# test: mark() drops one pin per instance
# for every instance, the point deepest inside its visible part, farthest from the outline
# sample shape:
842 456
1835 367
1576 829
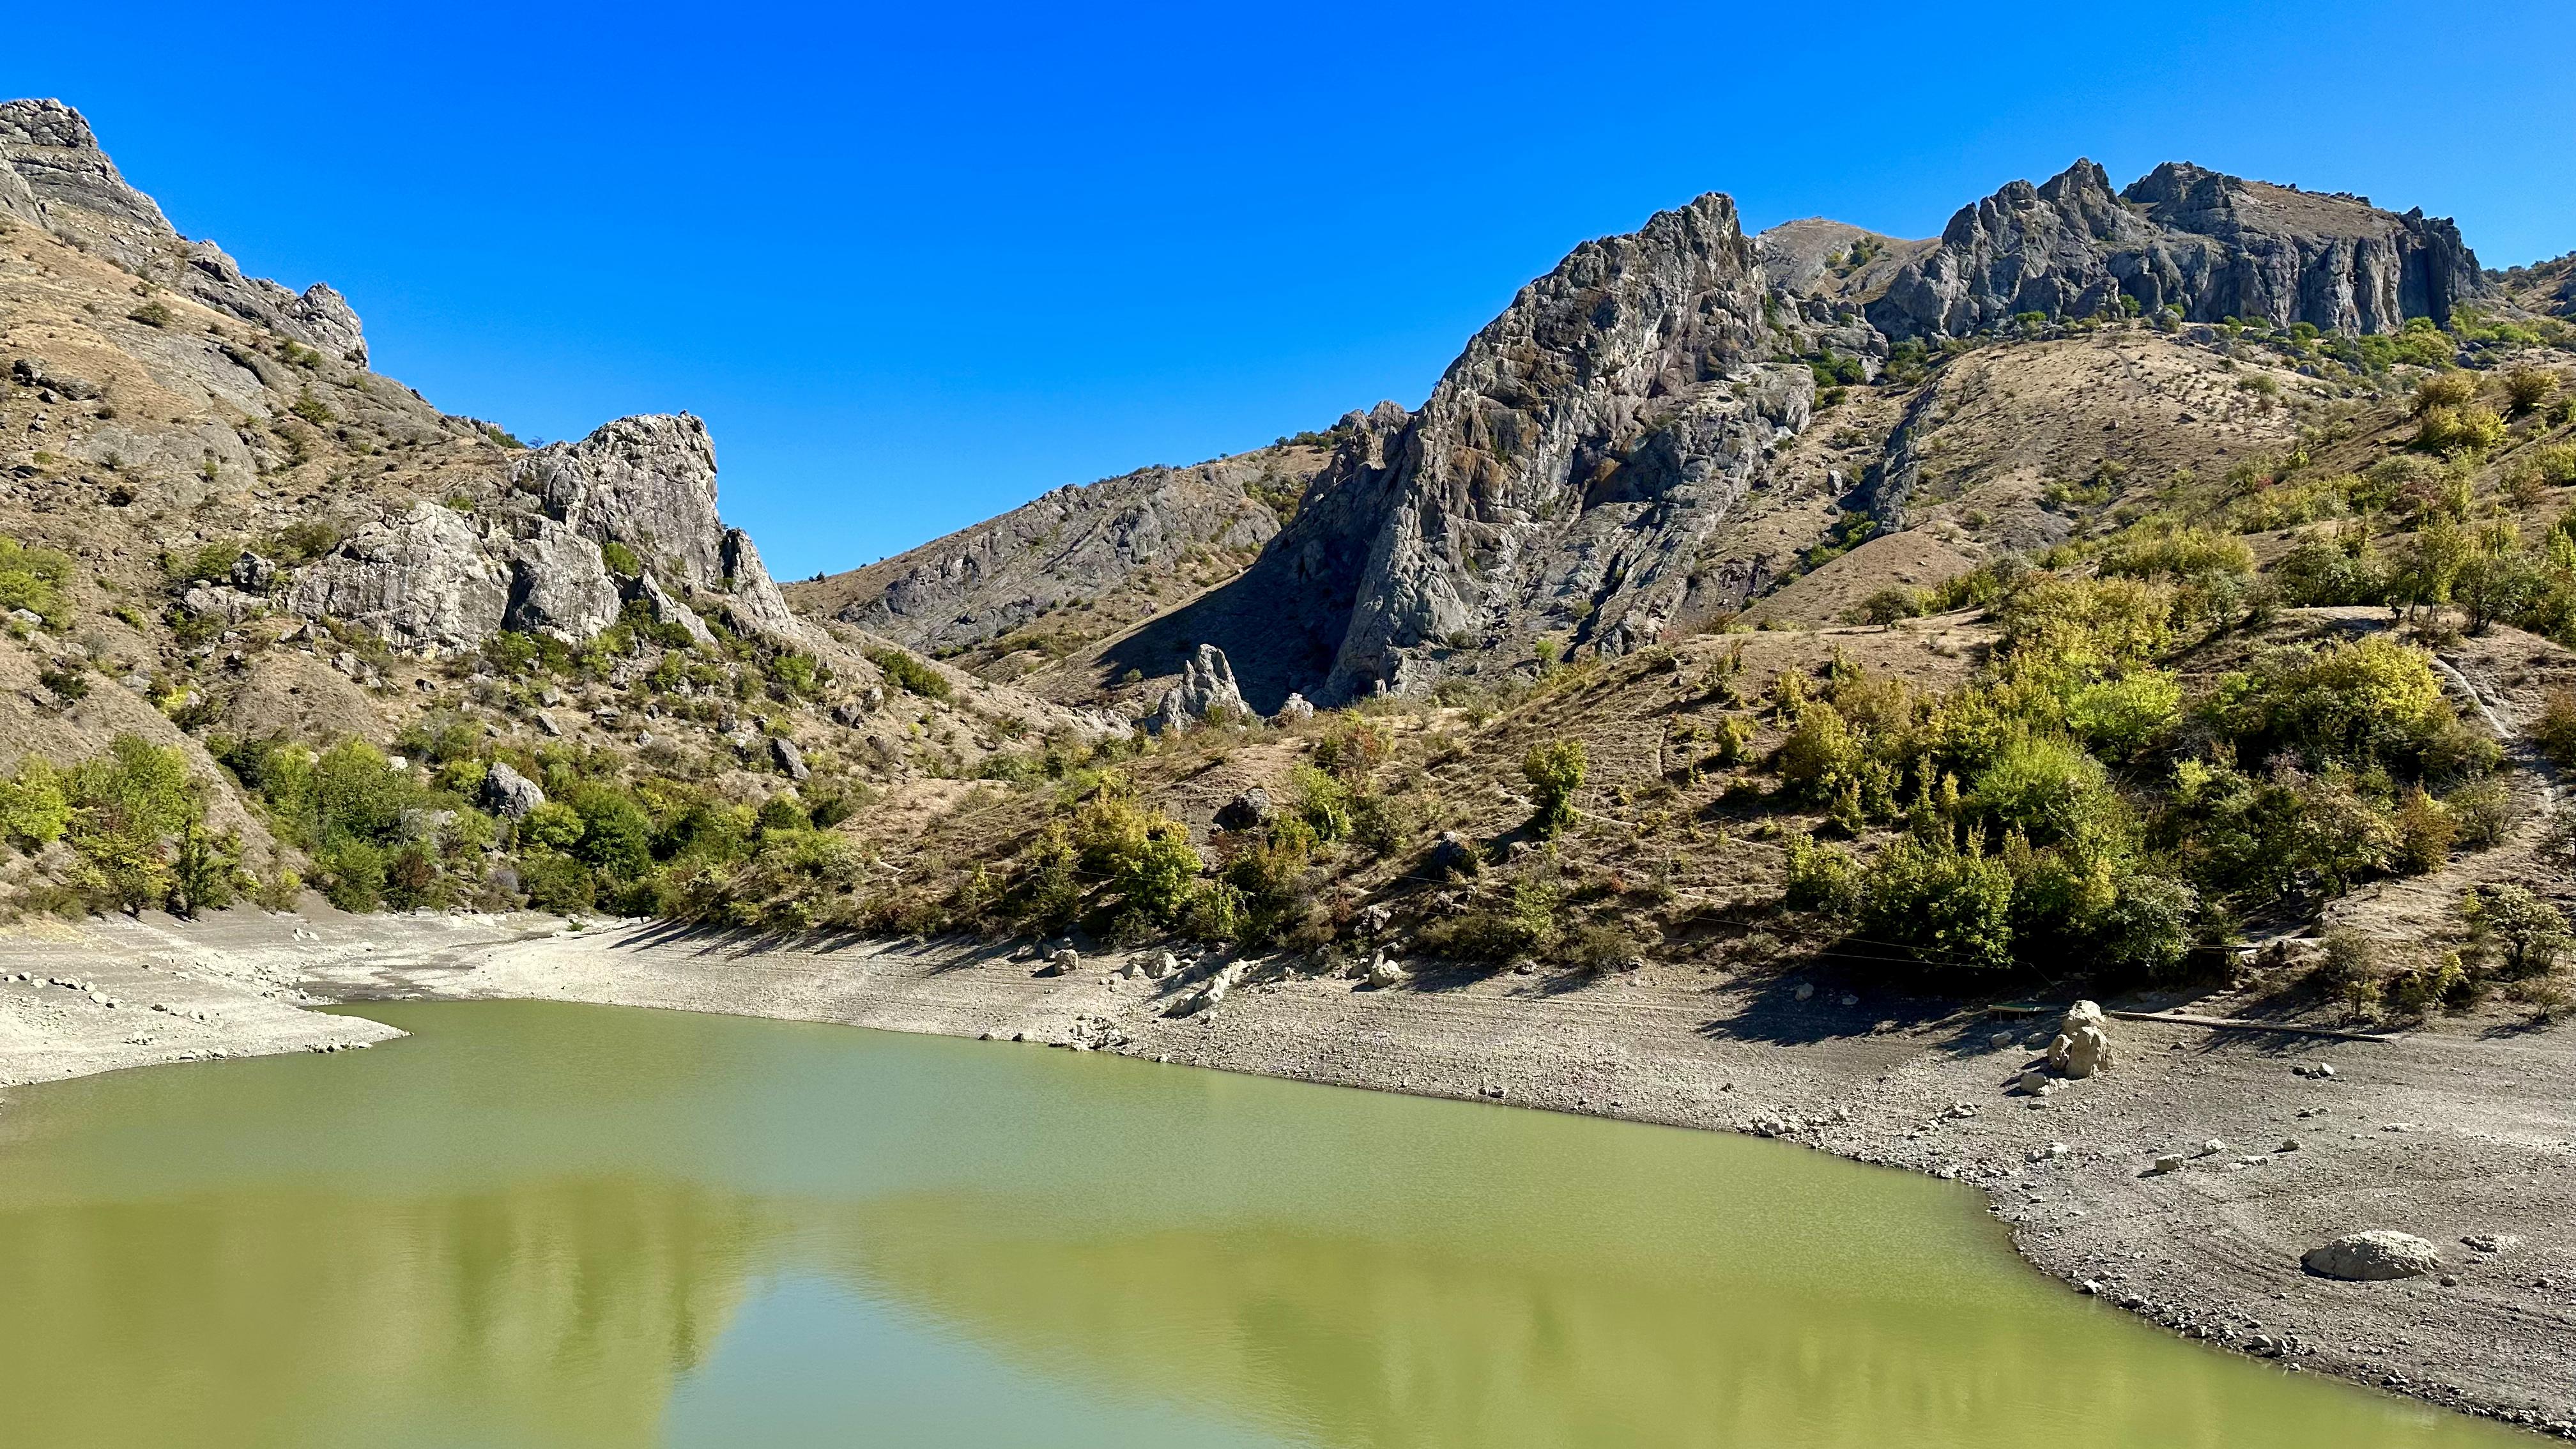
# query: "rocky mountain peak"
2213 245
54 176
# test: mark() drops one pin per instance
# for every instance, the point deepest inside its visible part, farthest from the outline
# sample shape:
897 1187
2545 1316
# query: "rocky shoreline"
2184 1183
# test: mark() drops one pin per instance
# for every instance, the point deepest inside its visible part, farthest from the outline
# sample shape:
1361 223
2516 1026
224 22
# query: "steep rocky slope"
1077 564
225 529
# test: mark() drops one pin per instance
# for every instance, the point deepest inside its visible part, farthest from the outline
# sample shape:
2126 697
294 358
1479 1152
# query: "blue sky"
917 265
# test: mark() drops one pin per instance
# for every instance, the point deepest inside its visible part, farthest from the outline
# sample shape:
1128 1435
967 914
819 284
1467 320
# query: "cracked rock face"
2218 246
434 578
419 580
1560 480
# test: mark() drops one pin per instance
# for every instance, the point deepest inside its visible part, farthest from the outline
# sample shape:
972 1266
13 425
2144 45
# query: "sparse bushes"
1890 604
910 673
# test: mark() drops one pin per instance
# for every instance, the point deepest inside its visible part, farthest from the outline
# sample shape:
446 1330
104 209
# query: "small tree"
1889 605
1555 772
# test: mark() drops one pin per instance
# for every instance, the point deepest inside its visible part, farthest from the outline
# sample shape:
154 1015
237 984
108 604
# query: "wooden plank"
2238 1023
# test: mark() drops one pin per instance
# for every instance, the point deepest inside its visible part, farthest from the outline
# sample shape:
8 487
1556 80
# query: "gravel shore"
2452 1135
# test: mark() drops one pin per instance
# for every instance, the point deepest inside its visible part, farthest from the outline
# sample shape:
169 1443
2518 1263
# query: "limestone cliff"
2214 245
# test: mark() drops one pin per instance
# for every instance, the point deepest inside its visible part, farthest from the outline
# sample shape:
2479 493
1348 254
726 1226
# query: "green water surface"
550 1225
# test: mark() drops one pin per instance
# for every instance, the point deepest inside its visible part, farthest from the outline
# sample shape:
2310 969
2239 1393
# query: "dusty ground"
2445 1134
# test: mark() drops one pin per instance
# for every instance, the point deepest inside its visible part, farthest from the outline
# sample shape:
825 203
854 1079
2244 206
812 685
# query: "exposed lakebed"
544 1224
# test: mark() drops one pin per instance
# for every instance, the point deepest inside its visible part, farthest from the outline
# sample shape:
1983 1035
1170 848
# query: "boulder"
1250 810
1160 965
789 759
1294 709
1384 973
1207 687
253 574
2083 1043
1064 962
1455 854
2373 1257
507 793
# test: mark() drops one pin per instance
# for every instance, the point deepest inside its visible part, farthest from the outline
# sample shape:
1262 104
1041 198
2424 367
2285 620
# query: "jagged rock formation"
53 175
2215 245
1561 479
1207 688
1118 549
533 561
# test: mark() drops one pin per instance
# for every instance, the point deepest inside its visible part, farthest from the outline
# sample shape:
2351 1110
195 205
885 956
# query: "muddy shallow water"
542 1224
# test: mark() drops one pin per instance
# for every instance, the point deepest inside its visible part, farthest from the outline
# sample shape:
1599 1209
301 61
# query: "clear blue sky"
916 265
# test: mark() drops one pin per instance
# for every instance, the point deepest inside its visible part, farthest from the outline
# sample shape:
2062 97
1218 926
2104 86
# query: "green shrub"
1890 604
1951 907
2471 429
909 672
34 810
1554 771
1820 878
621 560
34 579
557 883
2523 932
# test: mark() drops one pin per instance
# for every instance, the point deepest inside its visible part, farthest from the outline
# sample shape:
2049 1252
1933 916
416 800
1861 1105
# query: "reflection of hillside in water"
550 1313
519 1231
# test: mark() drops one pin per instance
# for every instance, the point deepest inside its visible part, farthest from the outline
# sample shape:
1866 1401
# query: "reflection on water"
552 1225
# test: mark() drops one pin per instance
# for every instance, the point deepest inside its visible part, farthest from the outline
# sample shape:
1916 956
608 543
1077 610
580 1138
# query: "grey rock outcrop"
1207 688
435 578
648 484
2215 245
507 793
54 176
2373 1257
668 610
559 585
1294 709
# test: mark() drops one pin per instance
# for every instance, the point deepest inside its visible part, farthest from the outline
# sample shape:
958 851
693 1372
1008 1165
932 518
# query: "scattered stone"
1806 989
1384 973
1294 710
1064 962
2212 1147
2372 1257
2492 1242
2168 1162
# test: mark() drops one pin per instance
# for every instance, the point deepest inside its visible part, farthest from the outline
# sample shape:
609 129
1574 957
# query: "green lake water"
563 1226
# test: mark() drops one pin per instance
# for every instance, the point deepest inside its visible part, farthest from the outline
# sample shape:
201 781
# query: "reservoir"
533 1224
